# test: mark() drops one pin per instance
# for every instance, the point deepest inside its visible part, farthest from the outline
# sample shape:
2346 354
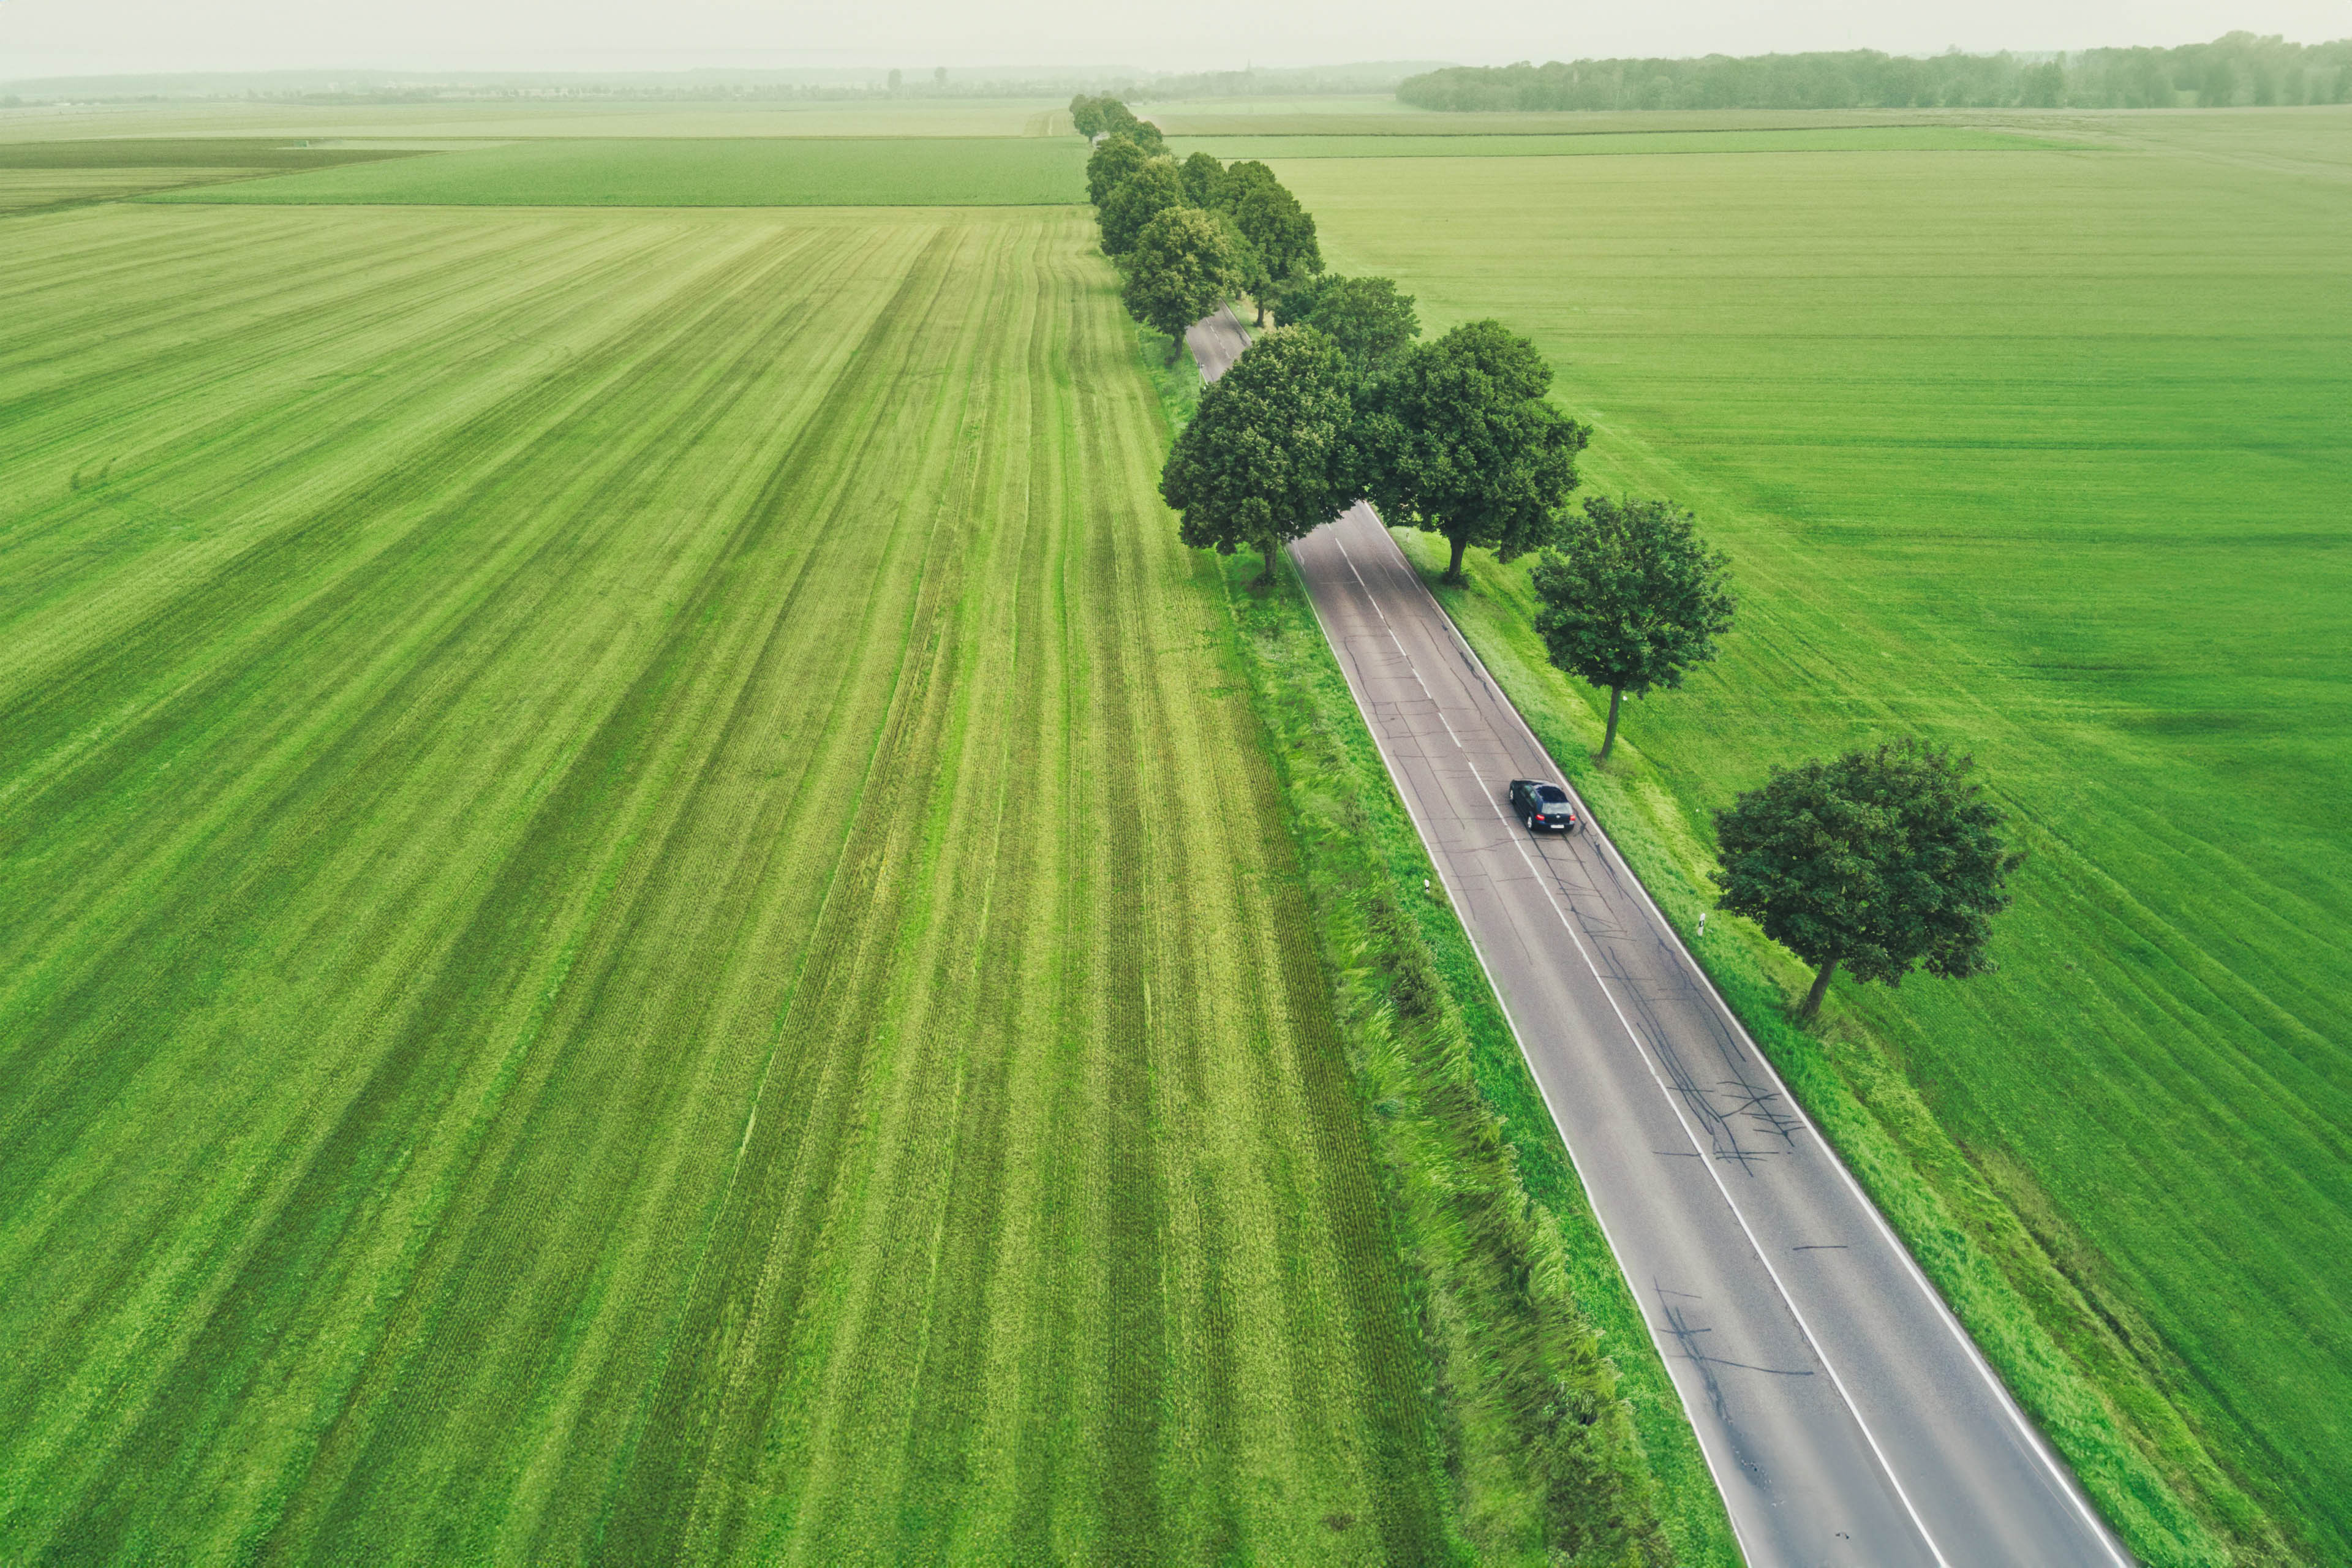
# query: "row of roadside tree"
1884 859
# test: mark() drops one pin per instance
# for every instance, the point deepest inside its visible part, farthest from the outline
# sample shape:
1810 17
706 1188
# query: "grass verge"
1562 1435
2065 1360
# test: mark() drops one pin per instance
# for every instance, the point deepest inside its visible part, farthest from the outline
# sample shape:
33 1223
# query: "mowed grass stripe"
707 897
492 385
743 172
393 642
717 978
153 947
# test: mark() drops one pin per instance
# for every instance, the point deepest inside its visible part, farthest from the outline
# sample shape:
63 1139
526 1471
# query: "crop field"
1609 143
1338 115
644 918
2047 457
504 121
1006 171
39 174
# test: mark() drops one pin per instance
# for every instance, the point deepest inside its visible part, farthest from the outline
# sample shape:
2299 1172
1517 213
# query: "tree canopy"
1181 268
1636 599
1110 163
1093 115
1266 459
1281 232
1205 180
1883 861
1459 440
1243 177
1087 115
1143 196
1370 321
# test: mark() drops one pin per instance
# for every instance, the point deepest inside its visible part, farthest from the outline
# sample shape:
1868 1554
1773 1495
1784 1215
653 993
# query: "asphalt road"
1847 1417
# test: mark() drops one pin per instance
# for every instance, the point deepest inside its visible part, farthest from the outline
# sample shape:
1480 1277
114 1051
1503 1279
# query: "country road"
1845 1414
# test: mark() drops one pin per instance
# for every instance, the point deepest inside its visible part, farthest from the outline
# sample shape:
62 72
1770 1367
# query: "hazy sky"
41 38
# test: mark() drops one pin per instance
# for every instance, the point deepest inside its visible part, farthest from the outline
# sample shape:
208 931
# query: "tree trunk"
1266 549
1812 1001
1261 311
1454 572
1616 695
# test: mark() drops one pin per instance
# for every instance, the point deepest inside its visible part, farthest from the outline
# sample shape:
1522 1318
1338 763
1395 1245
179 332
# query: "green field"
573 117
1336 115
776 172
41 175
645 917
1606 144
2046 457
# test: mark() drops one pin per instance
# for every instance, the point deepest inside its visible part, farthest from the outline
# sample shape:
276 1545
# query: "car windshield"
1550 792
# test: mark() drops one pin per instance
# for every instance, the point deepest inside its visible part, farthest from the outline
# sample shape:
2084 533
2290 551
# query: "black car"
1542 807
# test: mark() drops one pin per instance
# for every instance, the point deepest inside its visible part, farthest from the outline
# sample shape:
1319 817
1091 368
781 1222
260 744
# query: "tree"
1087 115
1181 268
1243 178
1881 860
940 78
1250 274
898 79
1140 197
1293 305
1204 179
1120 120
1637 599
1370 321
1110 165
1267 457
1281 232
1458 440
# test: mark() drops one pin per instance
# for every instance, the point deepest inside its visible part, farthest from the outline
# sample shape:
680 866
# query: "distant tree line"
2240 69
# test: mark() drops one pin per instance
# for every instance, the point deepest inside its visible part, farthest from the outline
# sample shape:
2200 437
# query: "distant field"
1383 116
2046 457
496 121
876 172
1849 139
645 919
35 174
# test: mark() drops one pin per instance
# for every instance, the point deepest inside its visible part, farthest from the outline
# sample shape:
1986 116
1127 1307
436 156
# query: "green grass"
546 117
646 918
2044 457
743 172
1384 116
34 175
1522 1307
1526 1312
1849 139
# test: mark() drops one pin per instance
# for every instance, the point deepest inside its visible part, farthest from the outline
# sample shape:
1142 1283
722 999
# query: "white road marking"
1673 1101
2031 1436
